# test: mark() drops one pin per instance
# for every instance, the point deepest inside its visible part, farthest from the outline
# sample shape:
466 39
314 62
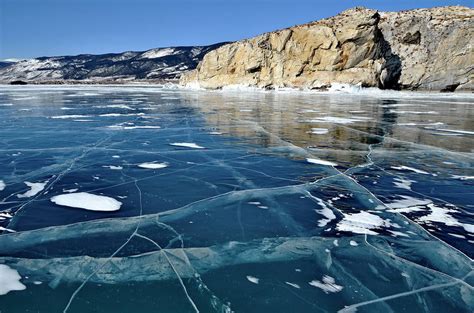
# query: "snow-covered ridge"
154 64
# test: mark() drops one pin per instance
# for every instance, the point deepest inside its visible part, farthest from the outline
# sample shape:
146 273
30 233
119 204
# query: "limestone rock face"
409 49
434 47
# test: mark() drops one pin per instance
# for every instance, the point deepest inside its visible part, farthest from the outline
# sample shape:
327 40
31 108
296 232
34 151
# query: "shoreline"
336 89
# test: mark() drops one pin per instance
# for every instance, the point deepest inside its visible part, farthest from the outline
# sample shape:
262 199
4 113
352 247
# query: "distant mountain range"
155 65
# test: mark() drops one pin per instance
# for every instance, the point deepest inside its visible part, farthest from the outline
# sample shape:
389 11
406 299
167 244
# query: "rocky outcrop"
419 49
157 65
434 47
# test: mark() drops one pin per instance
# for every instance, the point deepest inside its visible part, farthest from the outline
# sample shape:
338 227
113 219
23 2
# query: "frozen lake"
145 199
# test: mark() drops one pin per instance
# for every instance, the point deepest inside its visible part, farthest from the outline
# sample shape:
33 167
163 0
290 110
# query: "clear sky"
32 28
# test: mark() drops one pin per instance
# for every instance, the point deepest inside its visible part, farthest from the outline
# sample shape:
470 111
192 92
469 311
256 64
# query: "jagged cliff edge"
423 49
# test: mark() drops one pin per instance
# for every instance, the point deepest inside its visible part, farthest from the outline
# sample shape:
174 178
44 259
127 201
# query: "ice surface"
87 201
248 224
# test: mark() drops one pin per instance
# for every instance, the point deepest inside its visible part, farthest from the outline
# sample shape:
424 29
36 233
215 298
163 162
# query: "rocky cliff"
418 49
161 64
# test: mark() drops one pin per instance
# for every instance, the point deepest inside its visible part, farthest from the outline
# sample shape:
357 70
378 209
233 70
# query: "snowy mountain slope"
155 64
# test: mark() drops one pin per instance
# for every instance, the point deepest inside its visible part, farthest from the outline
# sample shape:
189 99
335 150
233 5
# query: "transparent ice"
235 201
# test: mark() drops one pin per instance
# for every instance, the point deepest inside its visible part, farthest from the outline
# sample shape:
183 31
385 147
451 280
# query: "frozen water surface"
147 199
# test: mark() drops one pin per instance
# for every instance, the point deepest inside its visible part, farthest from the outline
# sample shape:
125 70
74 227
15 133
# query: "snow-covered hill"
161 64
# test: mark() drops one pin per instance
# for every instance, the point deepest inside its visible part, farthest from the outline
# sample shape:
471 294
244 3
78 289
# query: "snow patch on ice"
407 204
62 117
153 165
321 162
113 167
87 201
407 168
456 131
362 223
324 211
293 285
328 284
187 145
442 215
319 131
9 280
35 188
339 120
403 183
462 177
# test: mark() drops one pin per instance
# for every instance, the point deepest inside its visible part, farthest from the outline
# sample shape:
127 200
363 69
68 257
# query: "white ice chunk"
35 188
9 280
442 215
456 131
361 223
324 211
339 120
321 162
186 145
328 284
113 167
407 204
252 279
293 285
462 177
403 183
319 131
353 243
6 229
413 112
2 185
406 168
62 117
70 190
141 127
87 201
153 165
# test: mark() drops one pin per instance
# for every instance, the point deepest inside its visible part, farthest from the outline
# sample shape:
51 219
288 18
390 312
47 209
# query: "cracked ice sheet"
207 199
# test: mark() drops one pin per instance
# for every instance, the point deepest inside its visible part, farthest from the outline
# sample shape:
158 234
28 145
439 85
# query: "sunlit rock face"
184 201
434 47
418 49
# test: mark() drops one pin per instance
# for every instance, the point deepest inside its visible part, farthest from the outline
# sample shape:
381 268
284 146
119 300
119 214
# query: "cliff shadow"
392 70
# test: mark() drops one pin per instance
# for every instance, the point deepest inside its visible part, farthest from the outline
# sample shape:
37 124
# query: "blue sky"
33 28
